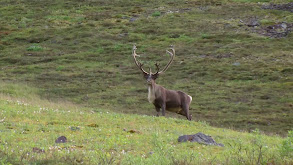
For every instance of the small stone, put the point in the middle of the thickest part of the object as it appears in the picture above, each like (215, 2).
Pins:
(61, 139)
(253, 23)
(123, 35)
(236, 64)
(284, 26)
(133, 19)
(203, 56)
(74, 128)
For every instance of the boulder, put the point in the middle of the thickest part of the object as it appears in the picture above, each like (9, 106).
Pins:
(200, 138)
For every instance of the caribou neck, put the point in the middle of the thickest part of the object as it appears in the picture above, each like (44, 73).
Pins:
(152, 91)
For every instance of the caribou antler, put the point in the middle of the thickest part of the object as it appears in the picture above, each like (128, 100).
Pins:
(172, 54)
(164, 99)
(138, 64)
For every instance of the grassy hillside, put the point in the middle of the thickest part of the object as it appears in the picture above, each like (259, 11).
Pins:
(238, 73)
(29, 127)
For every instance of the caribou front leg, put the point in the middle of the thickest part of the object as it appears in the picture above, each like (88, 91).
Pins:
(158, 111)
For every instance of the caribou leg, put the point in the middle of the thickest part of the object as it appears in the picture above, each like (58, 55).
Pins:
(158, 111)
(163, 109)
(185, 111)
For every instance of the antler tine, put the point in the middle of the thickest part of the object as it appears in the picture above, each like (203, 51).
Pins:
(172, 54)
(138, 64)
(158, 67)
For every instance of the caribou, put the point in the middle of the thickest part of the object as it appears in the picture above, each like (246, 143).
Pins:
(162, 98)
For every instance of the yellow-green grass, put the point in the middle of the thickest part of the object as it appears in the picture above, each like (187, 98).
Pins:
(29, 127)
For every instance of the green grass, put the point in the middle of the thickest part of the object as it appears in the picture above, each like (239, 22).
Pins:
(156, 14)
(34, 48)
(80, 51)
(30, 125)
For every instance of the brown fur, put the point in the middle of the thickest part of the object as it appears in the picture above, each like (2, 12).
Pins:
(170, 100)
(162, 98)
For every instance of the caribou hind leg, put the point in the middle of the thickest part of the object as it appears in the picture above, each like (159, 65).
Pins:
(185, 107)
(188, 116)
(185, 111)
(163, 109)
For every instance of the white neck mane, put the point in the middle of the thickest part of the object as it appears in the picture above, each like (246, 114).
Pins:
(151, 94)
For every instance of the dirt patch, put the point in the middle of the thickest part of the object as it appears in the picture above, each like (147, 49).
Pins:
(279, 30)
(284, 7)
(2, 33)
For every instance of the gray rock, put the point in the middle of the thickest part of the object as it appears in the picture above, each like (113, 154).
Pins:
(74, 128)
(61, 139)
(253, 23)
(284, 25)
(236, 64)
(200, 138)
(133, 19)
(285, 7)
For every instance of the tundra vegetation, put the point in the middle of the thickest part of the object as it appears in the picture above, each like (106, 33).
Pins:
(234, 57)
(29, 127)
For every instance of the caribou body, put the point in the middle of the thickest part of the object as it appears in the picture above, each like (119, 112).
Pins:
(160, 97)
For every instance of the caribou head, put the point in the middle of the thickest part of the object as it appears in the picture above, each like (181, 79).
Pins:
(162, 98)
